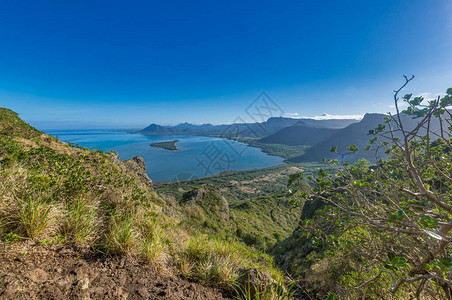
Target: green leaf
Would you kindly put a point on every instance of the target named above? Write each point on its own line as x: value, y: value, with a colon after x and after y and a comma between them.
x: 445, y: 262
x: 401, y: 262
x: 389, y: 267
x: 416, y: 101
x: 446, y: 101
x: 294, y: 177
x: 392, y: 217
x: 331, y: 296
x: 407, y: 97
x: 428, y: 222
x: 409, y: 111
x: 391, y: 256
x: 352, y: 148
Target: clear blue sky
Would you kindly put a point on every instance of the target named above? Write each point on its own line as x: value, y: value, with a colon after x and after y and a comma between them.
x: 131, y: 63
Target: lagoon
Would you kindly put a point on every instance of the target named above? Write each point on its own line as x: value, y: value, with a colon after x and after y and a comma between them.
x: 199, y: 156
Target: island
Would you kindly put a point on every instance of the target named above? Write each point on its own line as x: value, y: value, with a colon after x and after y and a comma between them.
x: 169, y: 145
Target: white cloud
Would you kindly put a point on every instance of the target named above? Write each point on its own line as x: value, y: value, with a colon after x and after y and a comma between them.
x: 430, y: 96
x: 292, y: 115
x: 402, y: 105
x: 326, y: 116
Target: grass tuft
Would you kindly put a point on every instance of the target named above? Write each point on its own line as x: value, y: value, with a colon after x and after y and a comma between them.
x: 35, y: 217
x: 121, y: 237
x: 80, y: 225
x: 153, y: 244
x: 259, y: 291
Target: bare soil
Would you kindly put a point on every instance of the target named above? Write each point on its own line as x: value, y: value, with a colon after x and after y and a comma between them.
x: 59, y: 272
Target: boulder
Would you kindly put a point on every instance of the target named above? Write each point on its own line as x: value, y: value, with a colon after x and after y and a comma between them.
x: 136, y: 166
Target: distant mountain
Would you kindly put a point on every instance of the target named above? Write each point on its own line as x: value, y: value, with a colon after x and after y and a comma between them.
x: 188, y: 126
x: 157, y: 130
x: 357, y: 134
x: 253, y: 130
x: 330, y: 123
x: 276, y: 123
x: 299, y: 134
x: 354, y: 134
x: 321, y: 135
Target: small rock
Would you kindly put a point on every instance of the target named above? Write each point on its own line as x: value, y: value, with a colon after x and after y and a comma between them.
x: 120, y: 294
x: 37, y: 275
x: 143, y: 293
x: 84, y: 283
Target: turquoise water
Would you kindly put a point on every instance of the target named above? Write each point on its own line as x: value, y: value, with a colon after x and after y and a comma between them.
x: 199, y: 156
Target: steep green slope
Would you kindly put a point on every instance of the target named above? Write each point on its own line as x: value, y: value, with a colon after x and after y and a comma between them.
x: 354, y: 134
x: 54, y: 194
x: 299, y: 135
x: 259, y: 213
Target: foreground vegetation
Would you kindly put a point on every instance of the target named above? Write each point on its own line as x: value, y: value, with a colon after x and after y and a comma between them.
x: 54, y: 193
x: 381, y: 231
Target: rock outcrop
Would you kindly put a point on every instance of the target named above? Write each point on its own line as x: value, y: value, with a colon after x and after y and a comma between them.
x: 135, y: 166
x: 209, y: 199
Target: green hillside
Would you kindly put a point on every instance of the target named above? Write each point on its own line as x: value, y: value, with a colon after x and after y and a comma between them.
x: 55, y: 195
x: 259, y: 213
x: 299, y: 135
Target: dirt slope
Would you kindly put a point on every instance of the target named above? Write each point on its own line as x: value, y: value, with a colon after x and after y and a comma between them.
x: 58, y: 272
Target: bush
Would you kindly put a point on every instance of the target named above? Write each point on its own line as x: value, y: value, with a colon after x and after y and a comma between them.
x: 388, y: 225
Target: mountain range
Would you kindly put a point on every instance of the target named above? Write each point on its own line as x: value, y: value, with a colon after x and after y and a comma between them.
x: 249, y: 130
x: 318, y: 135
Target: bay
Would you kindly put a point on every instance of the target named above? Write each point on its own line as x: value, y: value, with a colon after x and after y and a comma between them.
x: 199, y: 156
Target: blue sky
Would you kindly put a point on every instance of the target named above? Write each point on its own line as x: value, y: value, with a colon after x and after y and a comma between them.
x: 130, y: 63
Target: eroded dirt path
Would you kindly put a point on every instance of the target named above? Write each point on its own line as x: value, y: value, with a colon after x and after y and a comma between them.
x: 59, y: 272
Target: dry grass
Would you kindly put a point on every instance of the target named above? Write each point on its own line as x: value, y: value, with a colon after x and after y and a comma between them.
x: 34, y: 217
x: 30, y: 215
x: 153, y: 248
x: 81, y: 222
x: 215, y: 261
x: 122, y: 237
